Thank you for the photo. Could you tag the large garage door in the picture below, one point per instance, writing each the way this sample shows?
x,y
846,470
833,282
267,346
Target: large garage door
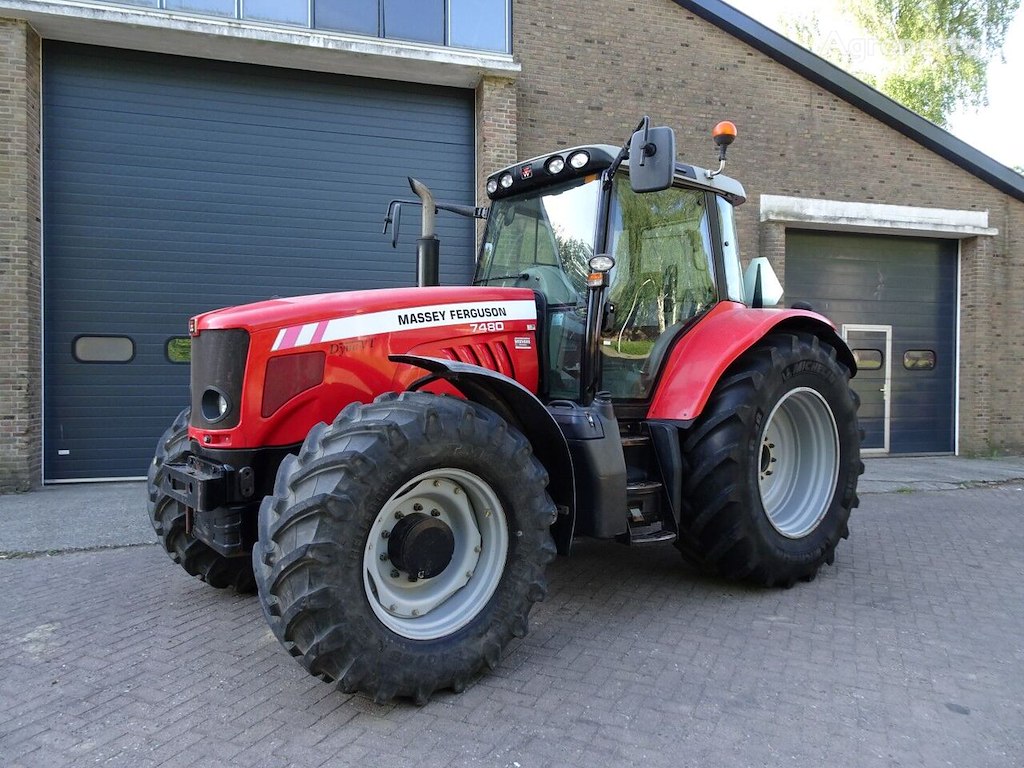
x,y
896,297
174,186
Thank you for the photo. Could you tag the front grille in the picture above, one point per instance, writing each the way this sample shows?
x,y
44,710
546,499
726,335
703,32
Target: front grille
x,y
493,356
218,363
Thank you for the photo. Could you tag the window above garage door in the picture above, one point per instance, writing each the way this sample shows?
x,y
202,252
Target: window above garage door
x,y
474,24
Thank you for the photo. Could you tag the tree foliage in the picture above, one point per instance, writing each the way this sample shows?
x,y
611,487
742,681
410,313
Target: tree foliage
x,y
936,52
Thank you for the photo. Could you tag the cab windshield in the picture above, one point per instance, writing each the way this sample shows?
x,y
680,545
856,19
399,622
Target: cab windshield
x,y
543,241
664,274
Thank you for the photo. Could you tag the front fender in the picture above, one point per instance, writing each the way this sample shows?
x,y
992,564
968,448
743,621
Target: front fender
x,y
702,355
520,407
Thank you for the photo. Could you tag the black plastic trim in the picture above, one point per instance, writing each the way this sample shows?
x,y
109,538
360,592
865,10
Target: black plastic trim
x,y
218,362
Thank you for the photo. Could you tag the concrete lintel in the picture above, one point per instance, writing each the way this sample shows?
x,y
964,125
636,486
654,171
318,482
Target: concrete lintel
x,y
875,217
183,34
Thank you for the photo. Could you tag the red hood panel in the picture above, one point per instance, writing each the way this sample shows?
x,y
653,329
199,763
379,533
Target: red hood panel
x,y
299,310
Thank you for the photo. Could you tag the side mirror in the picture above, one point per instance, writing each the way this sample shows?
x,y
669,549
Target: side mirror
x,y
761,286
652,159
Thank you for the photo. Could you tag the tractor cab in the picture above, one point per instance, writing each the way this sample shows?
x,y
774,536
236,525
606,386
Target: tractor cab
x,y
664,257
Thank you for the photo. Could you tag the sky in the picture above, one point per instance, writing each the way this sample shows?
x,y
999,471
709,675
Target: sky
x,y
1005,109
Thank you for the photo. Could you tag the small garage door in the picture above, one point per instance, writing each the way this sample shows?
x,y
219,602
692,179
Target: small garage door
x,y
174,186
896,297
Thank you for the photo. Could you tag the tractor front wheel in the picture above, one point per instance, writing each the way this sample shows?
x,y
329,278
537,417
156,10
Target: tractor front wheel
x,y
405,545
168,518
773,463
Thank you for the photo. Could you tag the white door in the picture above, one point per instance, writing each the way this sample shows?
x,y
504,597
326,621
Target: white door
x,y
872,348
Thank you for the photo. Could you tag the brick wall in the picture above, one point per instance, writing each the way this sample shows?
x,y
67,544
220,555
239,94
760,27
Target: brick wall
x,y
588,77
495,132
20,274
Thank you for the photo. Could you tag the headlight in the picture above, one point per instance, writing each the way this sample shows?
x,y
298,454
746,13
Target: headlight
x,y
601,263
555,165
492,186
215,405
505,180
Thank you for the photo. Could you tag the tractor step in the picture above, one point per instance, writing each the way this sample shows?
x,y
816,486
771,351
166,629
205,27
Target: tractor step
x,y
642,506
629,441
641,499
647,534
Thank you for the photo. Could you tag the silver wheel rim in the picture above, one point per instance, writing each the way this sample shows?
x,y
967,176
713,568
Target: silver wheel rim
x,y
798,463
425,609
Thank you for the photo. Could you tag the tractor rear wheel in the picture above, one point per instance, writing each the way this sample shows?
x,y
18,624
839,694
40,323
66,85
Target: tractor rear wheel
x,y
405,545
168,518
772,465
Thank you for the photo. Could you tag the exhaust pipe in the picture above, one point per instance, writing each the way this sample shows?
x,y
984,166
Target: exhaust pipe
x,y
428,247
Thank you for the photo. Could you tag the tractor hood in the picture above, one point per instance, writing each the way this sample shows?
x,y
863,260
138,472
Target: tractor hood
x,y
302,310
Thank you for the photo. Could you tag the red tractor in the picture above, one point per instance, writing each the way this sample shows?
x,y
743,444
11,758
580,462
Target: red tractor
x,y
394,469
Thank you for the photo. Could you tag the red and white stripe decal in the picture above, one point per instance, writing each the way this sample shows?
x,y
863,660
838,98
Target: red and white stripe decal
x,y
408,318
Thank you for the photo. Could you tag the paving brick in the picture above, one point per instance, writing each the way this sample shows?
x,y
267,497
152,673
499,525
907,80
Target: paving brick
x,y
906,652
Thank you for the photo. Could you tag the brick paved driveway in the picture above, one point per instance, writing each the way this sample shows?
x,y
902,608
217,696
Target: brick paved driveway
x,y
908,652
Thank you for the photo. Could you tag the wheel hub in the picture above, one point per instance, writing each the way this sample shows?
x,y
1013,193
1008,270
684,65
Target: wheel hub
x,y
427,575
798,464
767,459
421,546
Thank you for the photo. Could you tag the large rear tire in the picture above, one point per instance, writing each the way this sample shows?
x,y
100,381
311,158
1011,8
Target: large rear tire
x,y
168,518
772,465
405,545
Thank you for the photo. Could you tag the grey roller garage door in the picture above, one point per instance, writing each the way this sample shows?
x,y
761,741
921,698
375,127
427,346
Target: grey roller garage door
x,y
174,186
897,299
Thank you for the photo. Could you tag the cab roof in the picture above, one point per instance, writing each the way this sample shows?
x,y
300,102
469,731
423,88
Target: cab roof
x,y
535,173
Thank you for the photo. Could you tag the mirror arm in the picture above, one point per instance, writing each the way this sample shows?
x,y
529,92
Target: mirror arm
x,y
609,174
394,214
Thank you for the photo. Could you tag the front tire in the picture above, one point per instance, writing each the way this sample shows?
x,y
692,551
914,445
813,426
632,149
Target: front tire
x,y
168,518
772,465
405,545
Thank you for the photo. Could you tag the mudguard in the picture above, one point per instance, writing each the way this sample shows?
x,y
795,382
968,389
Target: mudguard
x,y
702,355
521,408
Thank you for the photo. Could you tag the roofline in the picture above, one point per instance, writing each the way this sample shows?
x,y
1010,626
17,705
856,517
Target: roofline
x,y
858,93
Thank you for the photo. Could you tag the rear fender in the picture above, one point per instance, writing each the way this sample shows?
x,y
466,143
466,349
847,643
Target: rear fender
x,y
521,408
705,352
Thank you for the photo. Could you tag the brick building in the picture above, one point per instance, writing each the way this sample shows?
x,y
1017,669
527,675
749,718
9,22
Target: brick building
x,y
164,157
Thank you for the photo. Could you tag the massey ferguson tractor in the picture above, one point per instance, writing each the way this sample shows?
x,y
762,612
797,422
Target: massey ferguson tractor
x,y
392,470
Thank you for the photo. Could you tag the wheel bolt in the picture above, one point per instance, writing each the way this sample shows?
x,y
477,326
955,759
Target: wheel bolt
x,y
383,557
394,575
417,507
385,533
399,515
412,578
435,513
415,612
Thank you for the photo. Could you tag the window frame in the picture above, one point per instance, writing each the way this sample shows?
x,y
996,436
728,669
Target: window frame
x,y
80,336
921,369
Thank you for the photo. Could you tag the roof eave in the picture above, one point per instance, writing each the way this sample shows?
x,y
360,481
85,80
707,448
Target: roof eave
x,y
858,93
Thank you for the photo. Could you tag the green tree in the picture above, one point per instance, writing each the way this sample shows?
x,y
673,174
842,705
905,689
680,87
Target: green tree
x,y
936,51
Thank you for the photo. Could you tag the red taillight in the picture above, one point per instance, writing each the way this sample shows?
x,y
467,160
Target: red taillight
x,y
288,375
